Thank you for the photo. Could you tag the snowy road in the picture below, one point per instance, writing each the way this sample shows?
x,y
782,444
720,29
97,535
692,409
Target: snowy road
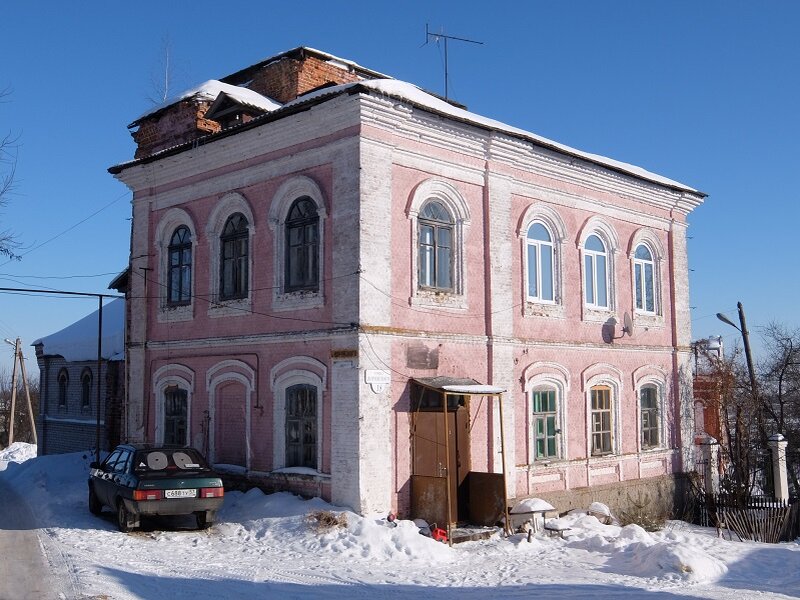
x,y
24,571
263,547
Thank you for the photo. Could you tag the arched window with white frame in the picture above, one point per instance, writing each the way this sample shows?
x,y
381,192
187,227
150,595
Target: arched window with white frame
x,y
435,237
540,262
439,218
644,279
595,272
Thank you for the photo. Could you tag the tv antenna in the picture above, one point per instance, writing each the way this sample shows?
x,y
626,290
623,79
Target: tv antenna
x,y
441,36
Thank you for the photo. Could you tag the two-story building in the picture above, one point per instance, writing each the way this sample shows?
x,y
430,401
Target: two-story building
x,y
321,255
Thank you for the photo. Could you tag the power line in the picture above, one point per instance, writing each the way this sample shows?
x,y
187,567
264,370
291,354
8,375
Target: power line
x,y
68,229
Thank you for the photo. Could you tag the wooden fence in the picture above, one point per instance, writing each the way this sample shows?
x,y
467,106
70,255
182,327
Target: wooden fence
x,y
757,519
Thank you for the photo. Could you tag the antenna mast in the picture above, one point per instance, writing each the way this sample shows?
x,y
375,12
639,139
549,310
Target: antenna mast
x,y
441,36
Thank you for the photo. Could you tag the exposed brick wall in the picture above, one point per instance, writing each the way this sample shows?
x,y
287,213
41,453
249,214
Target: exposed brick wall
x,y
288,78
180,123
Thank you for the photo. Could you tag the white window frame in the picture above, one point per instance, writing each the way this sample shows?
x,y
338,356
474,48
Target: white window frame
x,y
594,256
447,195
547,216
648,238
640,272
539,245
607,235
291,190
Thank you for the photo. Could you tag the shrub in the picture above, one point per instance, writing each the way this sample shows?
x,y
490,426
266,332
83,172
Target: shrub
x,y
323,521
643,513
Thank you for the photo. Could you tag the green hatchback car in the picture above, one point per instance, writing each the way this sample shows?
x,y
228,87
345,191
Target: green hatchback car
x,y
138,480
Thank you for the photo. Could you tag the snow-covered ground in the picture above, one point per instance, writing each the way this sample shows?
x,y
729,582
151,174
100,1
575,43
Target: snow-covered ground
x,y
263,547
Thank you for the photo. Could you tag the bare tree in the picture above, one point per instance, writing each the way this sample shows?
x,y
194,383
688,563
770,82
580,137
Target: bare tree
x,y
164,75
742,443
8,168
780,390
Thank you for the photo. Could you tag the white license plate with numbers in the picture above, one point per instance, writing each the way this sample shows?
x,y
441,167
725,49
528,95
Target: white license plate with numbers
x,y
180,493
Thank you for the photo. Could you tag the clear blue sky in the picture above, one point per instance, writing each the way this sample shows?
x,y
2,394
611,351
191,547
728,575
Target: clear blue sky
x,y
706,93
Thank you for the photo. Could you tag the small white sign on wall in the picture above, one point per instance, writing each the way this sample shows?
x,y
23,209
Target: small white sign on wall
x,y
378,380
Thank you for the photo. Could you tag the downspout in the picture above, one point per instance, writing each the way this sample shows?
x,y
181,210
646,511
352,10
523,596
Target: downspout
x,y
677,424
487,302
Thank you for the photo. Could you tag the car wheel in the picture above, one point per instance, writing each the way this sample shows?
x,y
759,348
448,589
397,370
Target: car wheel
x,y
204,520
95,506
123,518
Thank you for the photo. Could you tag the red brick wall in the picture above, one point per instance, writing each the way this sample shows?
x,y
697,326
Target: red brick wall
x,y
181,122
282,80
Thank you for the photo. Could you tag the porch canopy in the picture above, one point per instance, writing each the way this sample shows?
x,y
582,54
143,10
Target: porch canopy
x,y
446,396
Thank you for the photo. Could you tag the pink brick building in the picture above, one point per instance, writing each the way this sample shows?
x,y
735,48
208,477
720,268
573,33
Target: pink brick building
x,y
317,249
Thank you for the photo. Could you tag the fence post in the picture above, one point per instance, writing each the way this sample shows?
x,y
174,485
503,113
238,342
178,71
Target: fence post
x,y
711,459
777,445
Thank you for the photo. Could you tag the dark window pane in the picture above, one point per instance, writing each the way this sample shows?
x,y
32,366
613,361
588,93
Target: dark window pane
x,y
301,426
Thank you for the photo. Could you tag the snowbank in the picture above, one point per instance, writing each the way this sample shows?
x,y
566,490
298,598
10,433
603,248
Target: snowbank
x,y
263,547
17,452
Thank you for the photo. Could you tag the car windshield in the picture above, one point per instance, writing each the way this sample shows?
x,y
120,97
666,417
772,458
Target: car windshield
x,y
167,459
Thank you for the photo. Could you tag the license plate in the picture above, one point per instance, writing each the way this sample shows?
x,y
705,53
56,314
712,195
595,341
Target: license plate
x,y
180,493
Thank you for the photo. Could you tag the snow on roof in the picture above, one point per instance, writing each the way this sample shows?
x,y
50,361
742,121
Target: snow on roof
x,y
78,342
476,390
212,88
410,92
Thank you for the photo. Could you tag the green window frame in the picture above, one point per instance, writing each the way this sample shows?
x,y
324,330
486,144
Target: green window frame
x,y
545,423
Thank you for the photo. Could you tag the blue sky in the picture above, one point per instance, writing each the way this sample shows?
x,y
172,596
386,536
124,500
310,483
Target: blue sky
x,y
706,93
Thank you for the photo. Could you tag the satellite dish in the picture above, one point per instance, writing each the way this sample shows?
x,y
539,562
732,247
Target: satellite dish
x,y
627,324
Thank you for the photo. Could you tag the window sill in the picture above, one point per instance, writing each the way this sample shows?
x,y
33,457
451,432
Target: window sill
x,y
541,309
172,314
430,298
297,300
647,320
597,314
301,473
230,308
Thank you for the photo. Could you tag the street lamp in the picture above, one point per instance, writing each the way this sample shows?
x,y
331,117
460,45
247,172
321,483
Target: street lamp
x,y
746,339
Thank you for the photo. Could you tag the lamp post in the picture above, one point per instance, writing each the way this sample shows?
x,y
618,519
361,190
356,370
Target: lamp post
x,y
747,354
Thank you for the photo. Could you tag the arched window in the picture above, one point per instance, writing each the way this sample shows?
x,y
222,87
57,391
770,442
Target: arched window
x,y
540,260
545,422
175,416
435,247
648,406
595,276
644,279
601,420
233,261
86,389
301,426
302,246
63,383
179,269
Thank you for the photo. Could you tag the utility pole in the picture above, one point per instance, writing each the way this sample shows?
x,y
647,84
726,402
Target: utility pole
x,y
19,358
